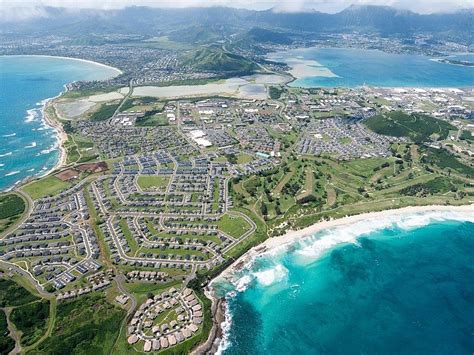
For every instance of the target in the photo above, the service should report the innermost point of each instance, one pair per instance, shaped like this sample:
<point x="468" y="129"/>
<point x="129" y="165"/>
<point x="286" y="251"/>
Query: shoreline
<point x="120" y="72"/>
<point x="61" y="135"/>
<point x="302" y="69"/>
<point x="216" y="336"/>
<point x="293" y="236"/>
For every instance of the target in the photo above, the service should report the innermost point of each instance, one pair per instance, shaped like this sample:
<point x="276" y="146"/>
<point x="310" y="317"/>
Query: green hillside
<point x="262" y="35"/>
<point x="196" y="34"/>
<point x="419" y="128"/>
<point x="217" y="60"/>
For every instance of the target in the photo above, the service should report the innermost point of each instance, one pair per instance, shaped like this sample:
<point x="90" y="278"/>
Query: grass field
<point x="147" y="182"/>
<point x="88" y="325"/>
<point x="419" y="128"/>
<point x="153" y="120"/>
<point x="308" y="189"/>
<point x="47" y="186"/>
<point x="104" y="112"/>
<point x="12" y="207"/>
<point x="243" y="158"/>
<point x="233" y="225"/>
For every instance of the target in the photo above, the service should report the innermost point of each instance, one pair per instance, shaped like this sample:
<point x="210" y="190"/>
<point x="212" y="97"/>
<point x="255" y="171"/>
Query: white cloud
<point x="28" y="8"/>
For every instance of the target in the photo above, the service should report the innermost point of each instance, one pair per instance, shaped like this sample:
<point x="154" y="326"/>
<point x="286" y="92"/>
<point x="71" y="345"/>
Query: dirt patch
<point x="93" y="167"/>
<point x="68" y="175"/>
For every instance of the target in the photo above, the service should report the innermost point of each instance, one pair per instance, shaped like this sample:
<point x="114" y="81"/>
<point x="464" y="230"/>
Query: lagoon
<point x="350" y="67"/>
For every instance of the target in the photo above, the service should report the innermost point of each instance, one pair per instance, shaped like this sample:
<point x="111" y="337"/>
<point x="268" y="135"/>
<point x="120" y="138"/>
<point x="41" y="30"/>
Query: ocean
<point x="399" y="286"/>
<point x="28" y="147"/>
<point x="347" y="67"/>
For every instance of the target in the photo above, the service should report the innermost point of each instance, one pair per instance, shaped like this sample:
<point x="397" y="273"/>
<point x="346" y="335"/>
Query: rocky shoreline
<point x="218" y="309"/>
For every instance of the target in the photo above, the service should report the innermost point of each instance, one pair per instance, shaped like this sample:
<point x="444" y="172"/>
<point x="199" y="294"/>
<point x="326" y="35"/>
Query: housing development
<point x="199" y="150"/>
<point x="166" y="192"/>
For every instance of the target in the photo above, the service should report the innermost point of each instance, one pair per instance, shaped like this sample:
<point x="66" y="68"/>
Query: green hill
<point x="217" y="60"/>
<point x="419" y="128"/>
<point x="197" y="34"/>
<point x="262" y="35"/>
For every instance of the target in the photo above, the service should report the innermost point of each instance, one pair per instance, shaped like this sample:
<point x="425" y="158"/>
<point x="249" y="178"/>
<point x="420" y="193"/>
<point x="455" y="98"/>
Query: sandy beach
<point x="119" y="72"/>
<point x="217" y="334"/>
<point x="61" y="134"/>
<point x="294" y="235"/>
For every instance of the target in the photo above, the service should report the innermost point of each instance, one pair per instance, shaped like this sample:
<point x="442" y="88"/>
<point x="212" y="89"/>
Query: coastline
<point x="69" y="58"/>
<point x="295" y="235"/>
<point x="302" y="69"/>
<point x="217" y="335"/>
<point x="61" y="135"/>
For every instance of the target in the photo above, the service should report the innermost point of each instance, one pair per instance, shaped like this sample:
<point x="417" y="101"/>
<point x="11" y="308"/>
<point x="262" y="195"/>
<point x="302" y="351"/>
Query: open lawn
<point x="147" y="182"/>
<point x="47" y="186"/>
<point x="233" y="225"/>
<point x="105" y="111"/>
<point x="243" y="158"/>
<point x="157" y="119"/>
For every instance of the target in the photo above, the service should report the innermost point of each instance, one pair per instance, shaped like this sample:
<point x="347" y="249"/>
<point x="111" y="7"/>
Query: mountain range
<point x="146" y="21"/>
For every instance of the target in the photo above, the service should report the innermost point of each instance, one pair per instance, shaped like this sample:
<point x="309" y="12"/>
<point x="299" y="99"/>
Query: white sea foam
<point x="312" y="247"/>
<point x="32" y="145"/>
<point x="9" y="135"/>
<point x="309" y="249"/>
<point x="49" y="150"/>
<point x="12" y="173"/>
<point x="270" y="276"/>
<point x="1" y="165"/>
<point x="225" y="326"/>
<point x="31" y="115"/>
<point x="6" y="154"/>
<point x="31" y="170"/>
<point x="242" y="283"/>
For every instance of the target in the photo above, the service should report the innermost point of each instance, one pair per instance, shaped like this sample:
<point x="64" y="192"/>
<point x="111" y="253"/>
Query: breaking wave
<point x="32" y="145"/>
<point x="12" y="173"/>
<point x="32" y="115"/>
<point x="267" y="269"/>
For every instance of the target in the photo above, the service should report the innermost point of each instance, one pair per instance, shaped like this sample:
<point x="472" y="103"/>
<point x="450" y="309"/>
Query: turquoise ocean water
<point x="356" y="67"/>
<point x="27" y="146"/>
<point x="404" y="286"/>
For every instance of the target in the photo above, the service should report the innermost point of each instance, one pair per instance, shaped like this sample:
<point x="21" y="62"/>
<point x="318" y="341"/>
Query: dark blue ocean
<point x="356" y="67"/>
<point x="27" y="146"/>
<point x="400" y="287"/>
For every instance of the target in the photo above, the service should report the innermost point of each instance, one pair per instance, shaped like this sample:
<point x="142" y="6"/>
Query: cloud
<point x="21" y="9"/>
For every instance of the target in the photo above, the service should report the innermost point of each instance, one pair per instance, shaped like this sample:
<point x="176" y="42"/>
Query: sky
<point x="31" y="8"/>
